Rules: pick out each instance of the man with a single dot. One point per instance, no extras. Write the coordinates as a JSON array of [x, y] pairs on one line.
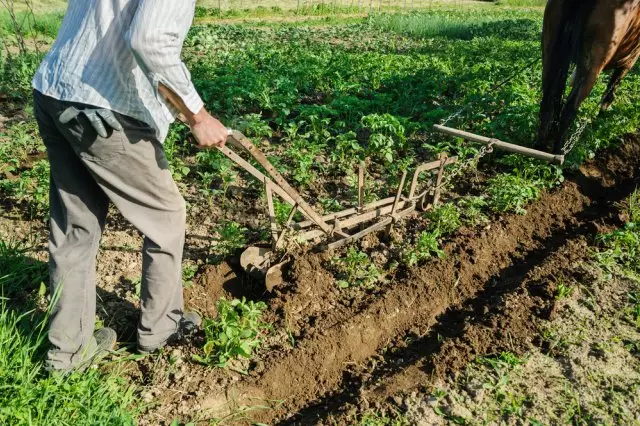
[[104, 98]]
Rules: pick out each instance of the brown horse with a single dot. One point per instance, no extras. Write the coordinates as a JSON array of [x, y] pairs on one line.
[[593, 35]]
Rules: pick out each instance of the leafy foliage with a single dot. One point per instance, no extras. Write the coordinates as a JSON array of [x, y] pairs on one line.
[[356, 269], [511, 193], [472, 210], [235, 332], [445, 219], [230, 236], [427, 245], [30, 188]]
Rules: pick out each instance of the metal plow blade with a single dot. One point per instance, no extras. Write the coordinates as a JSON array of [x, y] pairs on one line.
[[257, 262]]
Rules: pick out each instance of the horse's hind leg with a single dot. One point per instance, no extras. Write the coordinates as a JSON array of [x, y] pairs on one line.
[[609, 95], [585, 80]]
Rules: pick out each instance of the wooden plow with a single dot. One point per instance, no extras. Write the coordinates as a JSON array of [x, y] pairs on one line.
[[338, 229]]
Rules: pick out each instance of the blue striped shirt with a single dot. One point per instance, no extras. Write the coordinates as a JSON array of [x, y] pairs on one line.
[[114, 53]]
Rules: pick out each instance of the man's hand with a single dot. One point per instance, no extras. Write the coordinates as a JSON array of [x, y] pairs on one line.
[[207, 130]]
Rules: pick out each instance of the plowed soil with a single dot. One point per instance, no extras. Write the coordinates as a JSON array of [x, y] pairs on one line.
[[487, 294]]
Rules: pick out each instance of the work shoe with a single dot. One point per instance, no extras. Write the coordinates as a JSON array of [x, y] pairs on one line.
[[189, 324], [102, 343]]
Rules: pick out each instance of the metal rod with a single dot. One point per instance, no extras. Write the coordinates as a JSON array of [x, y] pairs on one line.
[[361, 218], [399, 193], [330, 217], [436, 194], [360, 186], [372, 228], [505, 146], [272, 213], [424, 168]]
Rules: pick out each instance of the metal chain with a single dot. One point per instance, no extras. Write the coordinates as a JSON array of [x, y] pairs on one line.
[[575, 137], [466, 164]]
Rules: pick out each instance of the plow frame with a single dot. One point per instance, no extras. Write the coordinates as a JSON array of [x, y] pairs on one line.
[[338, 229]]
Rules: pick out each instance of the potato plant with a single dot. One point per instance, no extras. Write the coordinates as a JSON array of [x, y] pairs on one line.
[[235, 333]]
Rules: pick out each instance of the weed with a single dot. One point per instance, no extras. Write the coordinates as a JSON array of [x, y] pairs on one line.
[[563, 291], [235, 332], [620, 249], [356, 270], [427, 246], [372, 418], [31, 188], [504, 360], [445, 219], [633, 207], [531, 170]]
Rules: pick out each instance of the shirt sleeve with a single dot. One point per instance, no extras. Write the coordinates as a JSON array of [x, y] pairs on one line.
[[156, 36]]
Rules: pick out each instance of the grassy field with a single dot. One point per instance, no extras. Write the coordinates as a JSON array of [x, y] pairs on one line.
[[320, 99]]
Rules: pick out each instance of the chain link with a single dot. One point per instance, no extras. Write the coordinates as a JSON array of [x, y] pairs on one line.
[[575, 137], [466, 164]]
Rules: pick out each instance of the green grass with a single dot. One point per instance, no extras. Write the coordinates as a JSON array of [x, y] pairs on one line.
[[45, 24], [19, 273], [619, 250], [30, 396], [465, 23], [522, 3]]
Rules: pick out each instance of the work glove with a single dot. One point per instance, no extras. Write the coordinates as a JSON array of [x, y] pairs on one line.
[[96, 117]]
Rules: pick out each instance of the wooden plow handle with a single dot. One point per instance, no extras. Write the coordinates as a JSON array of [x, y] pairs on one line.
[[281, 186]]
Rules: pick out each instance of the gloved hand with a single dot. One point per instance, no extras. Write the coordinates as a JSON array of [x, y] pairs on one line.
[[95, 116]]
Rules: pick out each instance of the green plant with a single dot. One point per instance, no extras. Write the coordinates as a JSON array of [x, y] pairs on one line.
[[214, 167], [444, 219], [189, 271], [356, 269], [236, 332], [426, 246], [510, 193], [633, 308], [472, 210], [563, 290], [31, 188], [372, 418], [230, 236], [387, 136]]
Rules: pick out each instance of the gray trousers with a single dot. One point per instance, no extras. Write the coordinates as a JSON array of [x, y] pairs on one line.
[[130, 170]]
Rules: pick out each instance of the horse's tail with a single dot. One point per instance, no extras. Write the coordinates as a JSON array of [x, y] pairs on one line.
[[562, 38]]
